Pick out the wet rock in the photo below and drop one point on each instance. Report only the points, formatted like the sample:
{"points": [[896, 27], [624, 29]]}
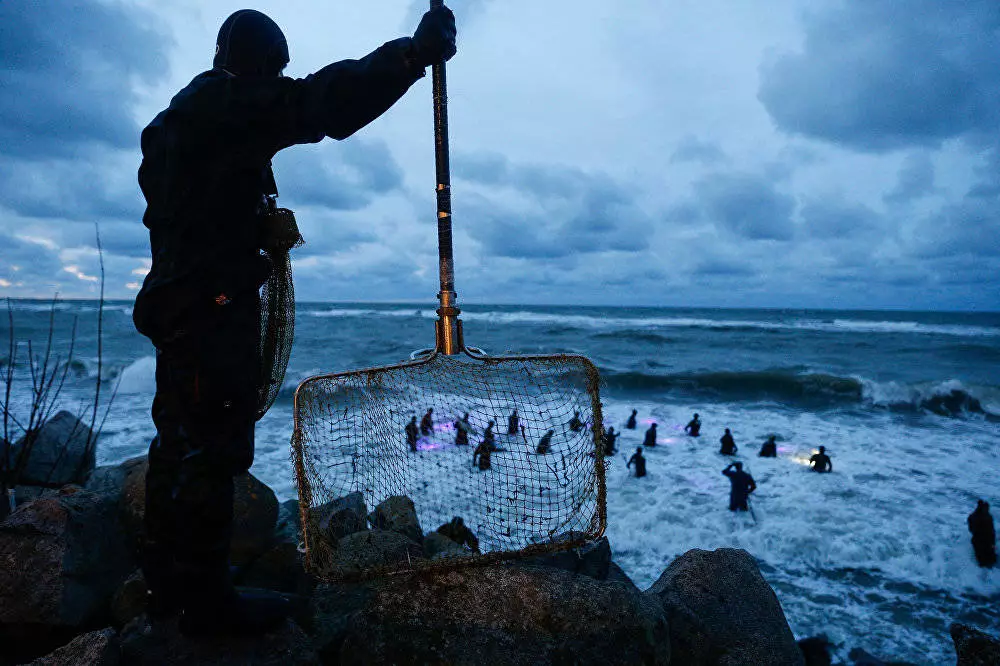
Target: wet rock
{"points": [[617, 575], [62, 452], [975, 648], [280, 568], [816, 650], [95, 648], [722, 611], [129, 600], [503, 615], [372, 549], [397, 514], [592, 559], [25, 494], [161, 644], [343, 516], [334, 606], [61, 560], [860, 657], [437, 546]]}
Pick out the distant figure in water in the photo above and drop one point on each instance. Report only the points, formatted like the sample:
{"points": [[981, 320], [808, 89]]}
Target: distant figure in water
{"points": [[457, 531], [741, 485], [462, 431], [575, 424], [609, 441], [640, 463], [482, 455], [693, 428], [821, 462], [983, 535], [512, 423], [411, 433], [489, 439], [427, 423], [769, 449], [630, 424], [545, 443], [729, 447], [650, 438]]}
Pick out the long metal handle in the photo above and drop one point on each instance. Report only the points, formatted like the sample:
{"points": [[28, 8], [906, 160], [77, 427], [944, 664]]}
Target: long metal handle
{"points": [[448, 328]]}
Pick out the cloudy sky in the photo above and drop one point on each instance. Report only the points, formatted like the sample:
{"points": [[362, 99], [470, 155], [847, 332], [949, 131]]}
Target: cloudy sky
{"points": [[794, 153]]}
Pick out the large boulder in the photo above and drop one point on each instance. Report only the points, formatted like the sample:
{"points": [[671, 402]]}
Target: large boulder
{"points": [[289, 525], [592, 559], [343, 516], [95, 648], [500, 615], [437, 546], [398, 514], [974, 647], [61, 452], [61, 560], [162, 643], [372, 549], [255, 510], [722, 612], [129, 600]]}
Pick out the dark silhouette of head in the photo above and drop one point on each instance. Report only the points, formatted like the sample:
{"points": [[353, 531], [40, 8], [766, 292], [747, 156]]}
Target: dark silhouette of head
{"points": [[727, 431], [457, 520], [653, 427], [491, 424], [738, 466], [251, 44], [430, 409], [611, 429], [466, 417], [982, 504], [551, 432], [413, 419], [634, 412], [695, 416], [822, 449]]}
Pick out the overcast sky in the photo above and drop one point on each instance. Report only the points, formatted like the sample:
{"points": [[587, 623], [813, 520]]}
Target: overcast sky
{"points": [[793, 153]]}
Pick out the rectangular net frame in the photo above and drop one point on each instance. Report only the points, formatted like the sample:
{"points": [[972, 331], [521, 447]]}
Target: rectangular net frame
{"points": [[350, 437]]}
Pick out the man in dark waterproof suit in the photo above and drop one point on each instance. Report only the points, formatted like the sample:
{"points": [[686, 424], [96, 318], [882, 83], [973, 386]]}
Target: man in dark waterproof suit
{"points": [[206, 176]]}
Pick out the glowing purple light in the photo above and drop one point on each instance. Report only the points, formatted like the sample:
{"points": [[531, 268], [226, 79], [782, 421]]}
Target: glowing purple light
{"points": [[649, 421], [784, 449]]}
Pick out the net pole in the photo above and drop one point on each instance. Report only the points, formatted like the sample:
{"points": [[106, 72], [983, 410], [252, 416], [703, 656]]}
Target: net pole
{"points": [[448, 328]]}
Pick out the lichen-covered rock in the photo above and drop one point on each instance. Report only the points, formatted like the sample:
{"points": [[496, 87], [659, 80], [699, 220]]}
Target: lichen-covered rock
{"points": [[162, 644], [61, 560], [592, 559], [61, 452], [95, 648], [974, 647], [371, 549], [398, 514], [722, 612], [503, 615], [437, 546], [343, 516], [130, 599]]}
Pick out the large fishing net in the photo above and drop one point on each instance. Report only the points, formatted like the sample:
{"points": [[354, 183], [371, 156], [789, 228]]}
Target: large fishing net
{"points": [[511, 446]]}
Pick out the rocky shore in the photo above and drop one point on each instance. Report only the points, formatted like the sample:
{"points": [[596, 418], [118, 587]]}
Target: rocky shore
{"points": [[71, 592]]}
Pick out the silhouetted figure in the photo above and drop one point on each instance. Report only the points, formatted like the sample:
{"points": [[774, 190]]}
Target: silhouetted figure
{"points": [[640, 463], [575, 424], [728, 447], [983, 535], [210, 192], [545, 443], [462, 431], [411, 433], [821, 462], [512, 423], [489, 439], [630, 424], [650, 439], [769, 449], [427, 423], [457, 531], [741, 485], [693, 428], [482, 455], [609, 441]]}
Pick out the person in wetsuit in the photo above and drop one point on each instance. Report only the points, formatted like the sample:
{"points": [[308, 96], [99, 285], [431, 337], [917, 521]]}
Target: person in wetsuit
{"points": [[545, 443], [728, 444], [482, 455], [741, 485], [821, 462], [427, 423], [693, 428], [630, 424], [983, 535], [610, 436], [650, 439], [640, 463], [462, 428], [411, 433], [575, 424], [769, 449], [207, 180], [512, 423]]}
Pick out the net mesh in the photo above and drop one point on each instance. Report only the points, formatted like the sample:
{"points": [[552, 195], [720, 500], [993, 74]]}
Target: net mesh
{"points": [[280, 234], [365, 432]]}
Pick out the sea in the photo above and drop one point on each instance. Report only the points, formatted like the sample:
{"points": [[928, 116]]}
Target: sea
{"points": [[875, 555]]}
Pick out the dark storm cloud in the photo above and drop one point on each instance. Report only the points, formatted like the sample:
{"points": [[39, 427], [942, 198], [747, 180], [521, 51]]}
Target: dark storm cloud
{"points": [[723, 267], [916, 179], [693, 149], [567, 210], [67, 68], [344, 176], [883, 74], [970, 228], [747, 205], [832, 219]]}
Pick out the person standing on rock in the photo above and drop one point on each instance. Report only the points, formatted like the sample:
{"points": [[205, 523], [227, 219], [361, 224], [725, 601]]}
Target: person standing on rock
{"points": [[984, 536], [640, 463], [741, 485], [210, 201]]}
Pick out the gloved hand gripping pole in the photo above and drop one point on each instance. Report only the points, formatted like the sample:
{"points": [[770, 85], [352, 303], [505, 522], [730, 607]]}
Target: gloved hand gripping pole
{"points": [[448, 328]]}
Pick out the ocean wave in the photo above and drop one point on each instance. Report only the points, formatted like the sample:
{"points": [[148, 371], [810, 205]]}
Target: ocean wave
{"points": [[949, 398], [622, 325]]}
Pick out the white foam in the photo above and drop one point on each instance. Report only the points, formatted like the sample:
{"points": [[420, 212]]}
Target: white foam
{"points": [[139, 377]]}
